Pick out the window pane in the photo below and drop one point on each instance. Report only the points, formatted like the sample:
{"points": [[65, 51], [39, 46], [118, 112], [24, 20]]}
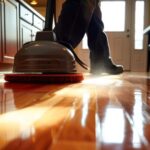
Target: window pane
{"points": [[84, 42], [139, 24], [113, 15]]}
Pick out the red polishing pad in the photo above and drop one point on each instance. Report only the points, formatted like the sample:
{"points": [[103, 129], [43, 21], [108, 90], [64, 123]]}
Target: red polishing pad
{"points": [[44, 78]]}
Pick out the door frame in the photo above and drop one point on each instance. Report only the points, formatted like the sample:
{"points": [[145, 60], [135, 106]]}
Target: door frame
{"points": [[139, 57]]}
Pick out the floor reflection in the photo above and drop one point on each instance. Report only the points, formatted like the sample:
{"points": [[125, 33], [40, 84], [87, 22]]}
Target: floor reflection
{"points": [[108, 112]]}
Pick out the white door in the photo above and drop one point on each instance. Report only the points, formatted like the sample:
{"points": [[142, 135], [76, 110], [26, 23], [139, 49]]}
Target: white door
{"points": [[139, 45], [124, 23], [116, 16]]}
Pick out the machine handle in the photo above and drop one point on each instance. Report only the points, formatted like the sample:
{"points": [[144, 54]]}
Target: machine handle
{"points": [[50, 13]]}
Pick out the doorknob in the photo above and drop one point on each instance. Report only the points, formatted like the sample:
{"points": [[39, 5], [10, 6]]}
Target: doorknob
{"points": [[128, 30], [128, 35]]}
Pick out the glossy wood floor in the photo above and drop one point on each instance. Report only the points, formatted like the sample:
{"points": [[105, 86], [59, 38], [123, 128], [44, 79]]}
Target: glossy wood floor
{"points": [[100, 113]]}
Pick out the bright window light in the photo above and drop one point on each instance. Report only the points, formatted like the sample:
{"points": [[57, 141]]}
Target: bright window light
{"points": [[113, 15], [84, 42], [139, 25]]}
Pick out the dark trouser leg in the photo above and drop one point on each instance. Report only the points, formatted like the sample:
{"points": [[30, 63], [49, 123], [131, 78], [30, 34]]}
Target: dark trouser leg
{"points": [[73, 21], [99, 48], [78, 17], [97, 40]]}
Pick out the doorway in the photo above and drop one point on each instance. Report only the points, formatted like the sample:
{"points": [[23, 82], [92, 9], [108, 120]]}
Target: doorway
{"points": [[124, 24]]}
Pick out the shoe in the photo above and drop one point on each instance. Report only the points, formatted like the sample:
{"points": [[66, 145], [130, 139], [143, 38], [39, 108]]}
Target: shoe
{"points": [[113, 70], [109, 68]]}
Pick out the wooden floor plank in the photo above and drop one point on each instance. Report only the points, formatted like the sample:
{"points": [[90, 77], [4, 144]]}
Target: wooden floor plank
{"points": [[102, 113]]}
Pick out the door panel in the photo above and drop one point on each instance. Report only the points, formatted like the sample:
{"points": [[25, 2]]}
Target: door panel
{"points": [[139, 46], [120, 49], [1, 42], [116, 18], [11, 33], [25, 32]]}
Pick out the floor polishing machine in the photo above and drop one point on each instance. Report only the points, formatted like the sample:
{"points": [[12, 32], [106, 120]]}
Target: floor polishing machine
{"points": [[46, 60]]}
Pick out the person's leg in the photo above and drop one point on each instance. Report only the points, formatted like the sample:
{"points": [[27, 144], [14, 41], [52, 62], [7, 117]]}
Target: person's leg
{"points": [[73, 21], [99, 48]]}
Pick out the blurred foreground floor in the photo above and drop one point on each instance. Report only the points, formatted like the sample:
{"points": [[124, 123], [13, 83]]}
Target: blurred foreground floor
{"points": [[100, 113]]}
